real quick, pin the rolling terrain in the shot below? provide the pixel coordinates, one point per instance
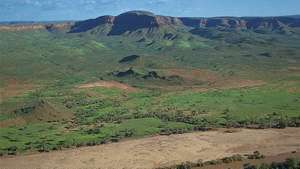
(73, 84)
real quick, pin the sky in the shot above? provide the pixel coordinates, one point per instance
(55, 10)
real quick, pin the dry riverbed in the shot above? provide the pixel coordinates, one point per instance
(163, 150)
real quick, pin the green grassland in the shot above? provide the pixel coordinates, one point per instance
(56, 114)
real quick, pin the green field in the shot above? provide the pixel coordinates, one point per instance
(188, 84)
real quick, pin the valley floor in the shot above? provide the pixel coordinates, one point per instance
(164, 150)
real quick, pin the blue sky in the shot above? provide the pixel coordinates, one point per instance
(44, 10)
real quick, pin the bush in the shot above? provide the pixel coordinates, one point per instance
(232, 159)
(103, 142)
(213, 162)
(255, 155)
(114, 139)
(287, 164)
(184, 166)
(91, 143)
(12, 150)
(249, 166)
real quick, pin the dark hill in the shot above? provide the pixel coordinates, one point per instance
(128, 59)
(132, 21)
(91, 23)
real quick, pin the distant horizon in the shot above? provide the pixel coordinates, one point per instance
(74, 20)
(68, 10)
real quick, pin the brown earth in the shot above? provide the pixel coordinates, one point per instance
(194, 74)
(294, 68)
(163, 150)
(237, 83)
(43, 112)
(108, 84)
(14, 87)
(208, 80)
(293, 90)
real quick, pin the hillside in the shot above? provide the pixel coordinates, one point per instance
(72, 84)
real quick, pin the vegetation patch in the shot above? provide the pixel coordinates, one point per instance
(129, 59)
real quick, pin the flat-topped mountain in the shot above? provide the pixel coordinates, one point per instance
(135, 20)
(145, 22)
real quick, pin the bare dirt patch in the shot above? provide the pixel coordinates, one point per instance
(108, 84)
(237, 83)
(42, 112)
(209, 80)
(14, 88)
(294, 68)
(163, 150)
(194, 74)
(293, 90)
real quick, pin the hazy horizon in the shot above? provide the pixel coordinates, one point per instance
(60, 10)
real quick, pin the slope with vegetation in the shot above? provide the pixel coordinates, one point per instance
(144, 74)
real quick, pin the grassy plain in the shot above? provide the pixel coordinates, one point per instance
(201, 83)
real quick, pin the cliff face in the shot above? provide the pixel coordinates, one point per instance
(243, 23)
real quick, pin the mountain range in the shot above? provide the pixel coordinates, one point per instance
(148, 22)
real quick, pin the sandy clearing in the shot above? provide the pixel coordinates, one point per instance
(108, 84)
(162, 150)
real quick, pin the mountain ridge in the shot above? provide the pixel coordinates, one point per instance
(144, 21)
(132, 21)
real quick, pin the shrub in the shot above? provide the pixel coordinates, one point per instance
(92, 143)
(184, 166)
(249, 166)
(115, 139)
(12, 150)
(287, 164)
(255, 155)
(232, 159)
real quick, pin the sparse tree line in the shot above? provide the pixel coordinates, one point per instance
(226, 160)
(274, 120)
(287, 164)
(47, 145)
(201, 123)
